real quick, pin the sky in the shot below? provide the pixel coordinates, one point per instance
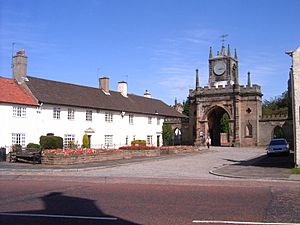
(154, 45)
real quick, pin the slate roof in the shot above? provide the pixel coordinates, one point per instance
(11, 92)
(59, 93)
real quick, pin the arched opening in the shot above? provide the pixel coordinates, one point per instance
(278, 132)
(218, 125)
(248, 132)
(177, 136)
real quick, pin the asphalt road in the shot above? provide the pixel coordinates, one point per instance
(161, 191)
(47, 202)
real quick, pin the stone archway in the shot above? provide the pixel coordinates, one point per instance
(215, 130)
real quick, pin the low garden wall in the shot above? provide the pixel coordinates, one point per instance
(80, 156)
(62, 159)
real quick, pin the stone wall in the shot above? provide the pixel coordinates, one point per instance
(118, 155)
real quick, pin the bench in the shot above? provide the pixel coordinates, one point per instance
(25, 155)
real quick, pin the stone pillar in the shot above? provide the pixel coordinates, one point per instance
(296, 103)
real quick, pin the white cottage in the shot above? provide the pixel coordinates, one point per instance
(110, 118)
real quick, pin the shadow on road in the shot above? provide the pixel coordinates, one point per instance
(61, 209)
(276, 161)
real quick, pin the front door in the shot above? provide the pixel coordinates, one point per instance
(158, 140)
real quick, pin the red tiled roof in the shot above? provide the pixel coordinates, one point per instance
(11, 92)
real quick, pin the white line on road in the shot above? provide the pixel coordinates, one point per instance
(58, 216)
(239, 222)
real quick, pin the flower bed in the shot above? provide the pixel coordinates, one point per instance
(76, 152)
(137, 147)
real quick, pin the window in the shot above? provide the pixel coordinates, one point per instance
(149, 139)
(56, 113)
(133, 137)
(71, 114)
(19, 111)
(149, 120)
(18, 139)
(69, 140)
(89, 115)
(130, 119)
(108, 140)
(158, 121)
(126, 140)
(108, 117)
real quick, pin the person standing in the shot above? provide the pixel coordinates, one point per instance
(208, 141)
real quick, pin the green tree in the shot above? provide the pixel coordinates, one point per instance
(85, 141)
(186, 107)
(277, 105)
(167, 134)
(224, 123)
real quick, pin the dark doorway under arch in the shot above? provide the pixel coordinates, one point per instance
(214, 125)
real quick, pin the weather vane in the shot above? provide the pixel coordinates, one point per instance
(223, 36)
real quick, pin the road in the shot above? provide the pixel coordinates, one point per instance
(178, 190)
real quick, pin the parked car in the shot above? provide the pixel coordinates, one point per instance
(278, 146)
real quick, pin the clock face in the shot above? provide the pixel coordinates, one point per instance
(219, 68)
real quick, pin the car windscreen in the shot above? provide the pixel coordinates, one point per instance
(278, 142)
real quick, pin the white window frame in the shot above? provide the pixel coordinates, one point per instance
(149, 139)
(67, 139)
(108, 140)
(71, 114)
(19, 111)
(108, 117)
(131, 119)
(149, 120)
(56, 113)
(18, 139)
(89, 115)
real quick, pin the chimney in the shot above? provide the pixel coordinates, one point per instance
(104, 85)
(19, 66)
(147, 94)
(122, 88)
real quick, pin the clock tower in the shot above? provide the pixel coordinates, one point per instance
(223, 68)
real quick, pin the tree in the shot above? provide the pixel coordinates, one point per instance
(186, 107)
(277, 105)
(85, 141)
(224, 123)
(167, 134)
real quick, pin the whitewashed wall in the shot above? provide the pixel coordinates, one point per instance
(40, 121)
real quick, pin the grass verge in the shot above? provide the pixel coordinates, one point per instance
(296, 170)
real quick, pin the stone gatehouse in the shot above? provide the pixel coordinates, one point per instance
(242, 105)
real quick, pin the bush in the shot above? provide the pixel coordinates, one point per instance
(138, 143)
(33, 146)
(16, 148)
(85, 141)
(167, 134)
(51, 142)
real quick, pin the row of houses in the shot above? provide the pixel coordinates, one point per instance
(31, 107)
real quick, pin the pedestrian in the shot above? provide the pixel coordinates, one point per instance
(208, 141)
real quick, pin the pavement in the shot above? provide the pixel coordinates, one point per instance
(213, 163)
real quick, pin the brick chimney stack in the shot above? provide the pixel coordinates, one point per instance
(122, 88)
(19, 66)
(104, 85)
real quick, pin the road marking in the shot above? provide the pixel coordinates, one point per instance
(238, 222)
(58, 216)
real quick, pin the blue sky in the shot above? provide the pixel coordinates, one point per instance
(151, 44)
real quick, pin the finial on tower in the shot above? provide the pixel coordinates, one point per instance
(175, 101)
(210, 52)
(228, 51)
(249, 80)
(235, 54)
(197, 79)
